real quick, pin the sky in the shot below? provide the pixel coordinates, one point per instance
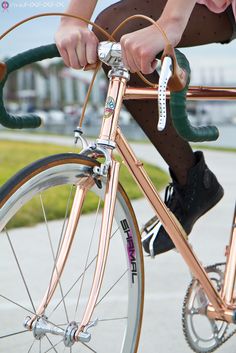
(210, 64)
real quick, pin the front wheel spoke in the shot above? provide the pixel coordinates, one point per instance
(73, 285)
(113, 319)
(87, 258)
(32, 344)
(20, 270)
(53, 255)
(17, 304)
(87, 346)
(53, 346)
(13, 334)
(78, 279)
(114, 284)
(27, 310)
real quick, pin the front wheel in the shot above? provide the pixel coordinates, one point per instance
(34, 209)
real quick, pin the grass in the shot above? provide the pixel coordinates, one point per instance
(16, 155)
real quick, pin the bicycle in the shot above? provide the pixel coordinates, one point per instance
(44, 312)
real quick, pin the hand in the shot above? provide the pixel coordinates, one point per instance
(76, 44)
(140, 48)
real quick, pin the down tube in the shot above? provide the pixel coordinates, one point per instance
(169, 222)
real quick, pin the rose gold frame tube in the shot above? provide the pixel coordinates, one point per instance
(230, 271)
(169, 222)
(65, 247)
(116, 91)
(106, 226)
(194, 93)
(226, 315)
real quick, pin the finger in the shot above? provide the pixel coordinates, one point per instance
(73, 58)
(124, 58)
(146, 65)
(91, 52)
(128, 61)
(137, 61)
(81, 53)
(90, 67)
(67, 49)
(127, 54)
(132, 64)
(64, 56)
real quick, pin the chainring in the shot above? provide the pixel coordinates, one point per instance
(203, 335)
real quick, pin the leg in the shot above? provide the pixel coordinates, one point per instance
(191, 195)
(176, 152)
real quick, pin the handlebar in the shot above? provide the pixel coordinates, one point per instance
(180, 77)
(179, 110)
(16, 62)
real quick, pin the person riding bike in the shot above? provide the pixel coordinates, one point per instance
(194, 188)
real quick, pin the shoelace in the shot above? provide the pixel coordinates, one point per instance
(173, 198)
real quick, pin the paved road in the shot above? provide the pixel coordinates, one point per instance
(167, 276)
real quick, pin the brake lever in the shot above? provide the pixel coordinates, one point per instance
(165, 72)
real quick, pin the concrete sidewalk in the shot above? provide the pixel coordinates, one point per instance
(167, 277)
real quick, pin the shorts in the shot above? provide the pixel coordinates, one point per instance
(232, 19)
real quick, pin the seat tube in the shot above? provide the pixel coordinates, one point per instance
(117, 85)
(230, 272)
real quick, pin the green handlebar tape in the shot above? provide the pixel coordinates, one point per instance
(177, 101)
(26, 120)
(179, 111)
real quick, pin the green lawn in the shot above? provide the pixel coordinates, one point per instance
(16, 155)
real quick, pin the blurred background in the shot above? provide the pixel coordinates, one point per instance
(57, 93)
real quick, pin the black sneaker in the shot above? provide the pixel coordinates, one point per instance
(188, 203)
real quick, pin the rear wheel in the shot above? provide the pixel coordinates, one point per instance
(34, 198)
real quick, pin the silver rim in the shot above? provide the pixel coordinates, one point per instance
(27, 260)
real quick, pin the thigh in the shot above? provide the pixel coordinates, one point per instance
(204, 26)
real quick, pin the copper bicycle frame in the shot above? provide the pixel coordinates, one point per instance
(222, 304)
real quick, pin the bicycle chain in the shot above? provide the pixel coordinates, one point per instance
(225, 337)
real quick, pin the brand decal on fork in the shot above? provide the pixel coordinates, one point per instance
(130, 248)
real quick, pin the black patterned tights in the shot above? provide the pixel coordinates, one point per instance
(204, 27)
